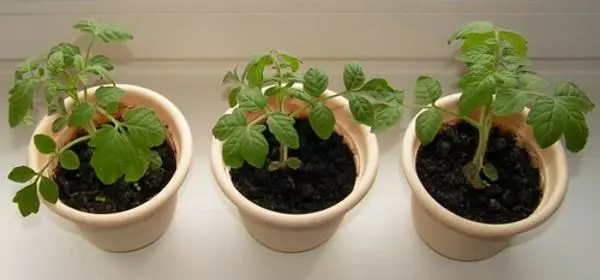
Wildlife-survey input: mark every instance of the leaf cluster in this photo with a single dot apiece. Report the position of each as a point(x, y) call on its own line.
point(121, 148)
point(268, 80)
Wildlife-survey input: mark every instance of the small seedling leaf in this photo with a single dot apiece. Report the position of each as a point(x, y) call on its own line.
point(227, 124)
point(477, 89)
point(144, 128)
point(232, 98)
point(428, 124)
point(56, 63)
point(254, 71)
point(282, 126)
point(548, 118)
point(20, 101)
point(102, 61)
point(155, 160)
point(427, 89)
point(531, 81)
point(251, 100)
point(109, 94)
point(232, 152)
point(510, 101)
point(490, 172)
point(576, 131)
point(21, 174)
point(113, 33)
point(354, 76)
point(516, 41)
point(49, 190)
point(87, 26)
point(361, 109)
point(385, 117)
point(69, 160)
point(573, 97)
point(475, 27)
point(82, 114)
point(292, 60)
point(293, 163)
point(58, 124)
point(50, 92)
point(44, 143)
point(254, 147)
point(27, 200)
point(322, 120)
point(316, 81)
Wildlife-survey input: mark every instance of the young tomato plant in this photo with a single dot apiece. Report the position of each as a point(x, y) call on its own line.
point(372, 102)
point(120, 148)
point(499, 82)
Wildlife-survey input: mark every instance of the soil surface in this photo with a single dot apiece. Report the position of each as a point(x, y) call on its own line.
point(82, 190)
point(326, 176)
point(513, 197)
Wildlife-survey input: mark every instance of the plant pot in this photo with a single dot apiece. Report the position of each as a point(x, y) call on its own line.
point(140, 226)
point(461, 239)
point(301, 232)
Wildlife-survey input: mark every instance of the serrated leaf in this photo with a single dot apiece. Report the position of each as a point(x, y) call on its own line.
point(361, 109)
point(475, 27)
point(102, 61)
point(69, 160)
point(49, 190)
point(44, 143)
point(299, 94)
point(508, 79)
point(21, 174)
point(293, 163)
point(100, 71)
point(56, 63)
point(576, 131)
point(58, 124)
point(292, 60)
point(117, 154)
point(427, 89)
point(510, 101)
point(69, 52)
point(254, 147)
point(155, 160)
point(232, 79)
point(50, 92)
point(254, 71)
point(316, 81)
point(144, 127)
point(531, 81)
point(232, 98)
point(27, 200)
point(232, 154)
point(20, 101)
point(87, 26)
point(515, 40)
point(322, 120)
point(282, 127)
point(548, 119)
point(514, 62)
point(227, 124)
point(251, 100)
point(490, 172)
point(109, 94)
point(113, 33)
point(385, 117)
point(477, 87)
point(28, 66)
point(428, 124)
point(573, 97)
point(354, 76)
point(477, 55)
point(81, 115)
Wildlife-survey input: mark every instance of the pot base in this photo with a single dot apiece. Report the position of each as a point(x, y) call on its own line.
point(450, 243)
point(289, 240)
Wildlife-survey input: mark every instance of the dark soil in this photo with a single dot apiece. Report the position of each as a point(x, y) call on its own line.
point(82, 190)
point(513, 197)
point(326, 177)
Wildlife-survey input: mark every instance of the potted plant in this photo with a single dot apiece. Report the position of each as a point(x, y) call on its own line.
point(486, 164)
point(109, 158)
point(294, 156)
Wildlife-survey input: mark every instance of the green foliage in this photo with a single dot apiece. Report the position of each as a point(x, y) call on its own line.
point(274, 75)
point(498, 81)
point(122, 148)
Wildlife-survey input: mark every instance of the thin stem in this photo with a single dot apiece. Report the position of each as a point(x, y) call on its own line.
point(74, 142)
point(299, 110)
point(87, 57)
point(484, 133)
point(257, 120)
point(116, 122)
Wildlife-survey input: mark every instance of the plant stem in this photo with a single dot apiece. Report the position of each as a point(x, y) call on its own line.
point(257, 120)
point(75, 142)
point(116, 122)
point(484, 134)
point(87, 57)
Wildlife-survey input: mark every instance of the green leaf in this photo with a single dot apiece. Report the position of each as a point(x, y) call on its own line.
point(322, 120)
point(531, 81)
point(21, 174)
point(385, 117)
point(28, 120)
point(254, 71)
point(354, 76)
point(272, 91)
point(100, 71)
point(299, 94)
point(251, 100)
point(227, 124)
point(293, 163)
point(27, 200)
point(253, 146)
point(477, 55)
point(515, 40)
point(69, 51)
point(113, 33)
point(232, 152)
point(508, 79)
point(155, 160)
point(49, 190)
point(144, 127)
point(44, 143)
point(87, 26)
point(293, 61)
point(102, 61)
point(50, 92)
point(58, 124)
point(576, 131)
point(69, 160)
point(510, 101)
point(275, 165)
point(20, 101)
point(29, 65)
point(427, 89)
point(573, 97)
point(109, 94)
point(117, 154)
point(232, 79)
point(475, 27)
point(361, 109)
point(282, 126)
point(428, 124)
point(490, 172)
point(81, 115)
point(232, 98)
point(315, 81)
point(56, 63)
point(478, 87)
point(548, 118)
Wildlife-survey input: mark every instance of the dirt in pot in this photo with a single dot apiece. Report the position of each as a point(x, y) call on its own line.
point(82, 190)
point(326, 176)
point(513, 197)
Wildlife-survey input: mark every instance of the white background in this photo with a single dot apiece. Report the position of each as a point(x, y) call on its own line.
point(183, 47)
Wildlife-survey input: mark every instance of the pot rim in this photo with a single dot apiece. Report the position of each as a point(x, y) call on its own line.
point(541, 214)
point(147, 208)
point(364, 181)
